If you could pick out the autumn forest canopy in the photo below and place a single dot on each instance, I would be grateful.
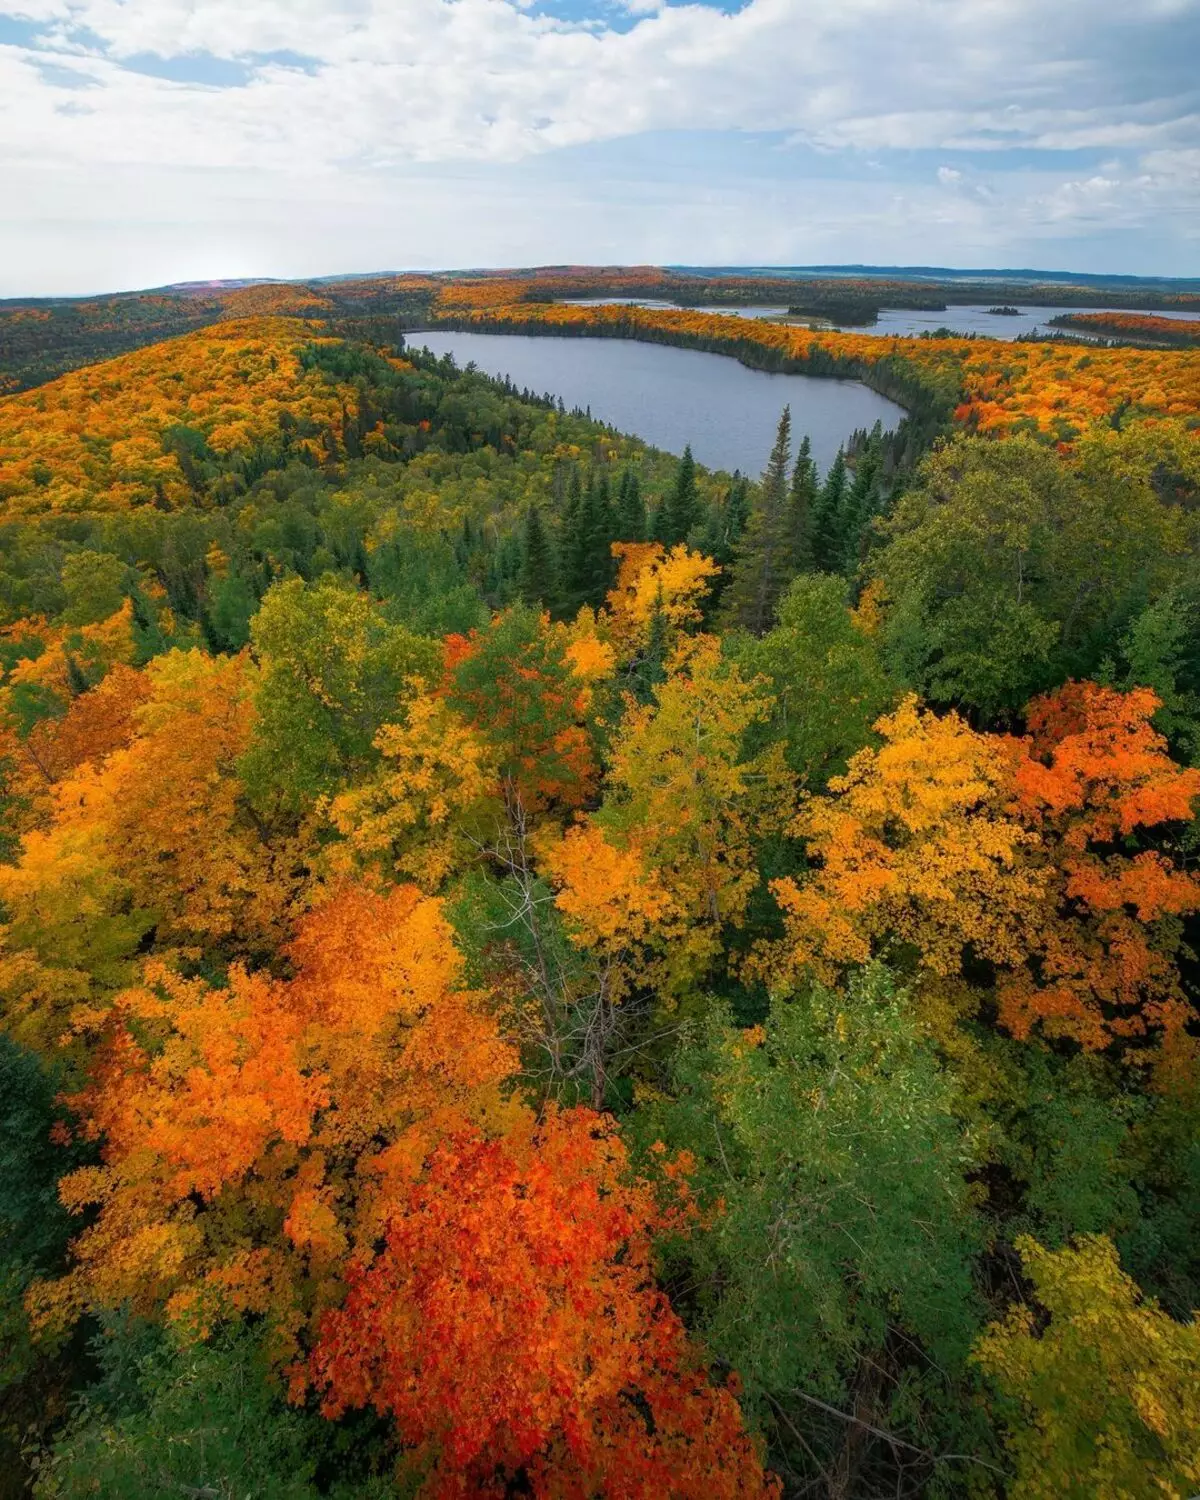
(532, 968)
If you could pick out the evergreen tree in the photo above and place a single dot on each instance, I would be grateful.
(682, 507)
(574, 501)
(860, 503)
(578, 542)
(763, 565)
(631, 509)
(601, 535)
(537, 577)
(827, 515)
(737, 509)
(801, 504)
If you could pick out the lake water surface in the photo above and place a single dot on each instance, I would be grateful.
(672, 397)
(907, 323)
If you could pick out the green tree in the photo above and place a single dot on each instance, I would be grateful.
(802, 500)
(95, 584)
(334, 670)
(537, 580)
(827, 515)
(764, 552)
(681, 509)
(1010, 569)
(860, 503)
(846, 1244)
(631, 509)
(204, 1420)
(827, 681)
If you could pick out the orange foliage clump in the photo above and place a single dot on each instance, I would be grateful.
(951, 841)
(513, 1329)
(337, 1154)
(1095, 775)
(1181, 331)
(252, 1134)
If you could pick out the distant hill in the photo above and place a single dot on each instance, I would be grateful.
(950, 274)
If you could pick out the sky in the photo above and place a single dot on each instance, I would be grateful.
(144, 142)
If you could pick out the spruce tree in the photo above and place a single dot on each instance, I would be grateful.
(537, 576)
(600, 537)
(801, 504)
(827, 516)
(574, 501)
(763, 565)
(860, 503)
(631, 509)
(681, 510)
(577, 548)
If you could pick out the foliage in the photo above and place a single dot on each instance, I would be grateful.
(511, 1327)
(448, 855)
(965, 847)
(1106, 1388)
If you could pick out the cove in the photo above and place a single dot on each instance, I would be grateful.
(671, 397)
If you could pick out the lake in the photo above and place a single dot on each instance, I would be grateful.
(672, 397)
(905, 322)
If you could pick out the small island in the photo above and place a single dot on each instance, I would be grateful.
(1004, 312)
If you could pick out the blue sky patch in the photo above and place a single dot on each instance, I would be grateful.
(15, 33)
(66, 78)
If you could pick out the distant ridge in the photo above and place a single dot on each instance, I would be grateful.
(947, 273)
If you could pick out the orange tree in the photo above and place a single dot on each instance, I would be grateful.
(339, 1154)
(950, 844)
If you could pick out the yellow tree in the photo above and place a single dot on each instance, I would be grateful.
(153, 836)
(684, 814)
(915, 845)
(410, 819)
(1106, 1386)
(653, 579)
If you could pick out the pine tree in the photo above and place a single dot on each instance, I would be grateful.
(801, 504)
(763, 565)
(681, 510)
(631, 509)
(574, 501)
(827, 515)
(737, 509)
(860, 503)
(601, 535)
(537, 577)
(577, 548)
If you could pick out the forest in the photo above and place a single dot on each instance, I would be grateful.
(529, 968)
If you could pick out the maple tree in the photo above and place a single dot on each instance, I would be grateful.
(947, 839)
(512, 1327)
(251, 1133)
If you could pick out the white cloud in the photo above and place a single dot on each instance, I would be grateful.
(428, 80)
(399, 85)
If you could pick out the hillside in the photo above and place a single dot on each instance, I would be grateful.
(530, 968)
